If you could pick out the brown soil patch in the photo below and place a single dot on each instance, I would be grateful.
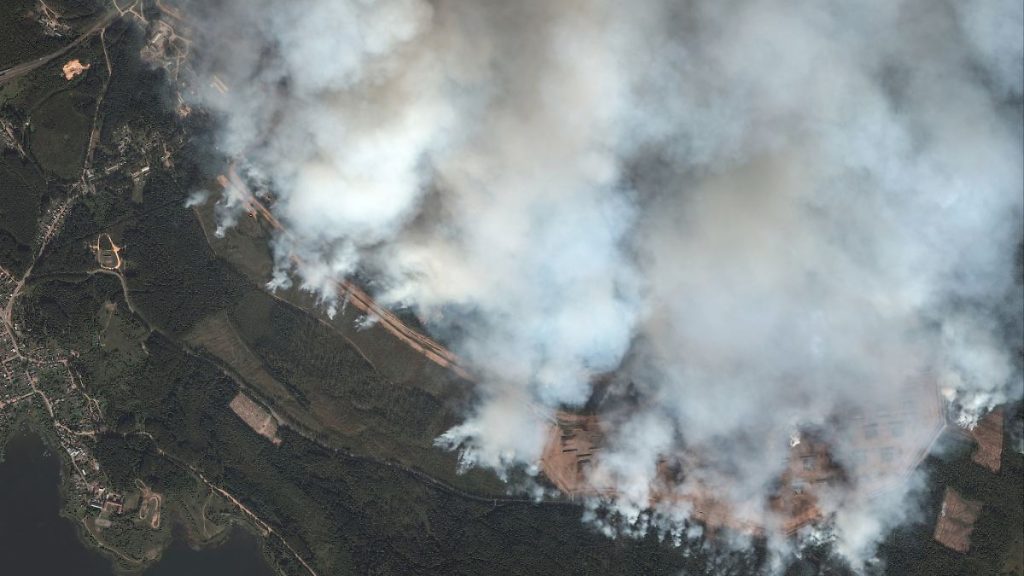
(152, 502)
(569, 454)
(107, 253)
(73, 68)
(956, 521)
(887, 443)
(989, 436)
(256, 417)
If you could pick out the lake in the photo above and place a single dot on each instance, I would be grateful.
(36, 541)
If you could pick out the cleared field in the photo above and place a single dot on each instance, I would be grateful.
(60, 133)
(119, 331)
(245, 248)
(315, 381)
(261, 421)
(362, 389)
(217, 336)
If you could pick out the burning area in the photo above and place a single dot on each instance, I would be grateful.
(785, 234)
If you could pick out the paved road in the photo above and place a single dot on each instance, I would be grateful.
(25, 67)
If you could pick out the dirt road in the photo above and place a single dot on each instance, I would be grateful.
(355, 295)
(26, 67)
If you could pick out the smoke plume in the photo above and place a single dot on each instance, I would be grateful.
(760, 216)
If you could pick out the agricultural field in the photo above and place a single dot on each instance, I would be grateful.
(147, 359)
(355, 483)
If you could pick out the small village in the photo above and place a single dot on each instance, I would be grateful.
(40, 387)
(37, 379)
(40, 381)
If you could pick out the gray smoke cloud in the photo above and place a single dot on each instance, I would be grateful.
(762, 215)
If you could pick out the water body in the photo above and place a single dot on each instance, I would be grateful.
(239, 556)
(36, 541)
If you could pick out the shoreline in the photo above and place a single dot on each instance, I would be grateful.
(120, 562)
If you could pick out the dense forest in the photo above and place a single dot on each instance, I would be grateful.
(351, 506)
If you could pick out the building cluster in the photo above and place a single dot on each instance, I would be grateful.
(50, 20)
(105, 500)
(38, 377)
(11, 136)
(165, 47)
(41, 378)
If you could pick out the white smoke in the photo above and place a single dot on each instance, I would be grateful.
(197, 198)
(764, 214)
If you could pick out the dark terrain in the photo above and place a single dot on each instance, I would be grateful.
(356, 486)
